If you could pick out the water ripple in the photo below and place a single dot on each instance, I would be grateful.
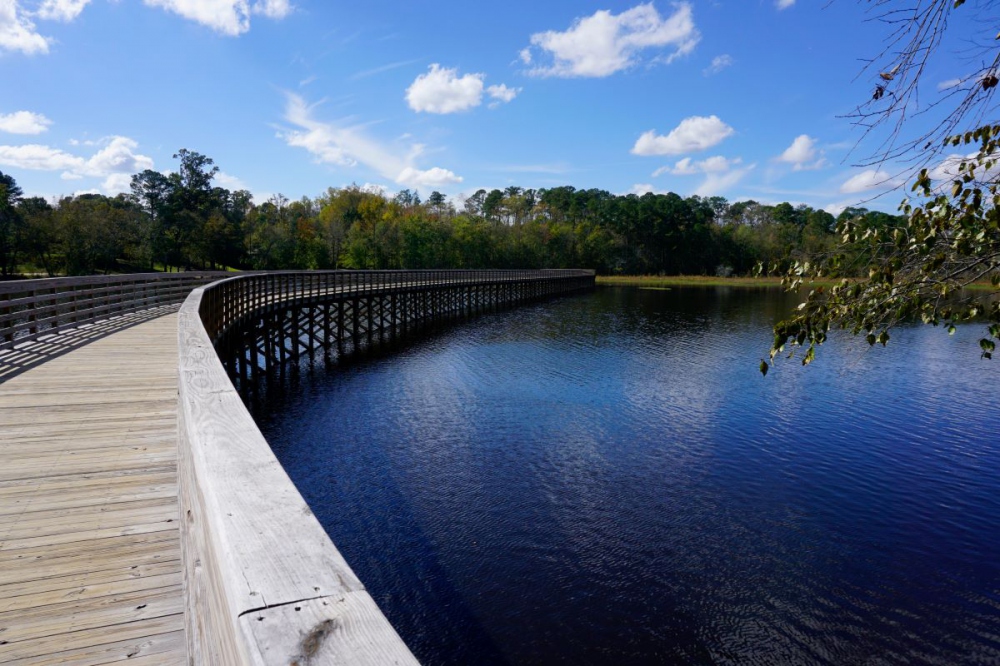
(608, 480)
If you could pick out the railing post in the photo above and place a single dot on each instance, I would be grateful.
(7, 324)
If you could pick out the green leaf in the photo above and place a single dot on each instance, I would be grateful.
(764, 367)
(810, 355)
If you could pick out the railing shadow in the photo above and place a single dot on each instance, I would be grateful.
(33, 353)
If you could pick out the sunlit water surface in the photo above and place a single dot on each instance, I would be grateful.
(607, 479)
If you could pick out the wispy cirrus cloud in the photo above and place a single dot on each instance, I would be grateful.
(719, 63)
(688, 167)
(349, 145)
(364, 74)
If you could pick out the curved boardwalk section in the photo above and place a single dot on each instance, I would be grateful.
(264, 583)
(90, 568)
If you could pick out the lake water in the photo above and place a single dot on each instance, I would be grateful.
(607, 479)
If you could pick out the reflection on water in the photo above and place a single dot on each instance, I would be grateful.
(607, 479)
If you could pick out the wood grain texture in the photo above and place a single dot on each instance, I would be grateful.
(90, 569)
(251, 546)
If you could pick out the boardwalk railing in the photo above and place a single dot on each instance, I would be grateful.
(264, 583)
(30, 309)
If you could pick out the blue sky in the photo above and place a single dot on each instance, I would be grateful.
(738, 98)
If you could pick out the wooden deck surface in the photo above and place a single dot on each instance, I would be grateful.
(90, 566)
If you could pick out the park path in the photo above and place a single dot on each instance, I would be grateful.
(90, 565)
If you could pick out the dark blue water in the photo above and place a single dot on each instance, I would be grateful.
(607, 479)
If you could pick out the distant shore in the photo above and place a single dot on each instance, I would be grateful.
(662, 281)
(668, 281)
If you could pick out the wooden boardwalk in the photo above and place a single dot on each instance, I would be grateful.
(90, 563)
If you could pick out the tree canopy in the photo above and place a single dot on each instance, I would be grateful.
(184, 220)
(948, 236)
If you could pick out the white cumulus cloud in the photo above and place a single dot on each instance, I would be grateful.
(803, 154)
(434, 177)
(950, 168)
(36, 157)
(644, 188)
(273, 9)
(117, 157)
(117, 183)
(230, 182)
(502, 94)
(61, 10)
(24, 122)
(442, 90)
(716, 183)
(869, 179)
(837, 208)
(229, 17)
(692, 135)
(605, 43)
(783, 4)
(721, 173)
(348, 146)
(17, 31)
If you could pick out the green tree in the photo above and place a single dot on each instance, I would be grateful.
(948, 236)
(10, 225)
(41, 237)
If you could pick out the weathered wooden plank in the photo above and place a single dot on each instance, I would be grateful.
(343, 629)
(99, 551)
(86, 562)
(64, 618)
(81, 519)
(90, 590)
(89, 525)
(24, 594)
(29, 470)
(72, 481)
(156, 650)
(129, 635)
(79, 491)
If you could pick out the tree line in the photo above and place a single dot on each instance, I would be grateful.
(183, 220)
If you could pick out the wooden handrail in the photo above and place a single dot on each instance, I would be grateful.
(264, 584)
(30, 309)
